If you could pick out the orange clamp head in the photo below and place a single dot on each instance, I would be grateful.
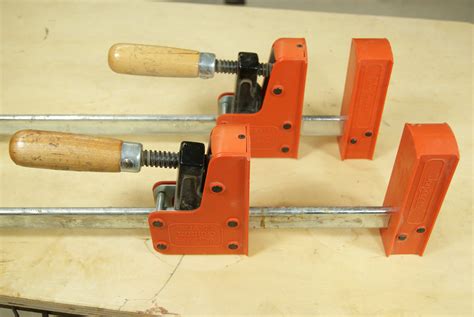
(220, 224)
(424, 166)
(368, 76)
(275, 129)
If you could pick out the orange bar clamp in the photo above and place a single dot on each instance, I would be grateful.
(425, 163)
(275, 129)
(220, 224)
(368, 76)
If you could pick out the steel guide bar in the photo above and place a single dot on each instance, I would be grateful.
(147, 124)
(260, 217)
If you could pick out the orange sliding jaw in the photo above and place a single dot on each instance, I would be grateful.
(275, 129)
(220, 224)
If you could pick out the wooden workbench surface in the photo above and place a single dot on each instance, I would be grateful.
(54, 60)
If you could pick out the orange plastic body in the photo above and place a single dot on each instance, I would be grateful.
(368, 76)
(425, 163)
(269, 137)
(206, 230)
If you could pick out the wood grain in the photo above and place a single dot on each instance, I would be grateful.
(150, 60)
(65, 151)
(66, 308)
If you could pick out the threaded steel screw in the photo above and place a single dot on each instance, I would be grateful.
(231, 67)
(160, 159)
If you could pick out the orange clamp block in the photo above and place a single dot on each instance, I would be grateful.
(368, 76)
(220, 224)
(424, 166)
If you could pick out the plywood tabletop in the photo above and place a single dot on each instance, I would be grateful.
(54, 60)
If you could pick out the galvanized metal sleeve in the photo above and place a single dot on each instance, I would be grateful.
(207, 65)
(131, 157)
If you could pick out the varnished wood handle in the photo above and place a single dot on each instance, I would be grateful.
(65, 151)
(150, 60)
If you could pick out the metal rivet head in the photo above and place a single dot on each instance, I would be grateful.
(233, 246)
(277, 91)
(126, 163)
(421, 230)
(216, 188)
(158, 223)
(241, 136)
(368, 134)
(287, 126)
(402, 237)
(353, 141)
(161, 246)
(232, 223)
(285, 149)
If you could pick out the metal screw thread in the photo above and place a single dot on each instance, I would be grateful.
(230, 67)
(160, 159)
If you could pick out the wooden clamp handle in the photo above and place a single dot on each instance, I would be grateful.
(150, 60)
(65, 151)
